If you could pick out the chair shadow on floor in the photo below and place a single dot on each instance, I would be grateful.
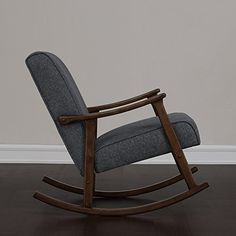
(131, 225)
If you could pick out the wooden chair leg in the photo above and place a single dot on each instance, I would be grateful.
(176, 148)
(89, 175)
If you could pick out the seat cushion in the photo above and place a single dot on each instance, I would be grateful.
(142, 140)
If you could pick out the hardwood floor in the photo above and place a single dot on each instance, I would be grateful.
(211, 212)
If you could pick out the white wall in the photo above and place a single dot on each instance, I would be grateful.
(120, 48)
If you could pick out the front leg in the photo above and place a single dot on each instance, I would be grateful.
(89, 175)
(176, 148)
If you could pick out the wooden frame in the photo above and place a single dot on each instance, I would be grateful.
(88, 191)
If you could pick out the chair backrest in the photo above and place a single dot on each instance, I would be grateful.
(62, 97)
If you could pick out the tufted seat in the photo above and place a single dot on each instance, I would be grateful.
(142, 140)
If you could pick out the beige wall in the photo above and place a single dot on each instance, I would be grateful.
(120, 48)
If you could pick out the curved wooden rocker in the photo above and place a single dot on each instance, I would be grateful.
(70, 114)
(117, 194)
(120, 211)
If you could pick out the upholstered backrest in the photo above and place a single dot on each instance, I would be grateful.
(62, 97)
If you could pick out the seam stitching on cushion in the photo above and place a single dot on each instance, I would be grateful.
(150, 131)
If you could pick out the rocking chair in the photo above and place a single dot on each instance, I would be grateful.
(140, 140)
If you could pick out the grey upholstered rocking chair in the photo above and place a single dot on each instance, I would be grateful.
(77, 126)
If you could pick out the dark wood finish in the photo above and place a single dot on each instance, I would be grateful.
(177, 151)
(120, 211)
(116, 194)
(89, 176)
(210, 213)
(124, 102)
(64, 120)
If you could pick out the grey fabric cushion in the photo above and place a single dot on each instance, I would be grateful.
(61, 97)
(142, 140)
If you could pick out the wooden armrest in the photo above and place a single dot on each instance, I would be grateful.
(124, 102)
(77, 118)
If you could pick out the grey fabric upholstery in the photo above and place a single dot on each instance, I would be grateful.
(61, 97)
(142, 140)
(127, 144)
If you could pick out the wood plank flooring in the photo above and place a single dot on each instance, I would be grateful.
(211, 212)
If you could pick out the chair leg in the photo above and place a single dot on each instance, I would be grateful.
(88, 190)
(176, 148)
(89, 176)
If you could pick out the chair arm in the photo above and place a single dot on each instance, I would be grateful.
(77, 118)
(124, 102)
